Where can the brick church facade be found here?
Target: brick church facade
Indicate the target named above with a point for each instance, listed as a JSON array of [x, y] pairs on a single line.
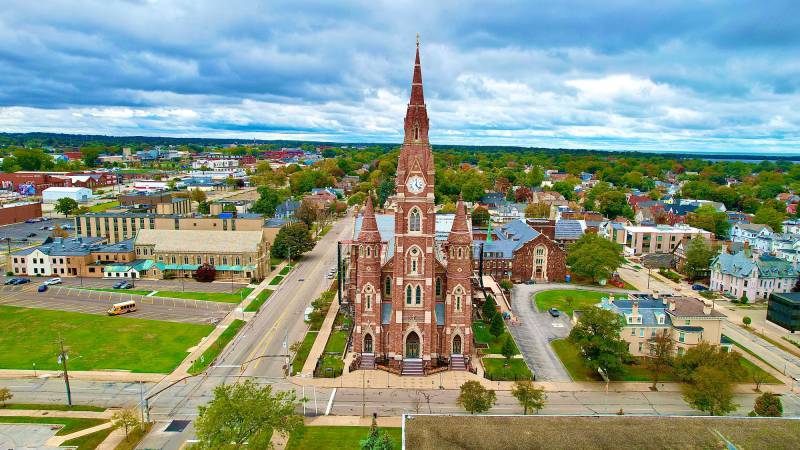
[[413, 302]]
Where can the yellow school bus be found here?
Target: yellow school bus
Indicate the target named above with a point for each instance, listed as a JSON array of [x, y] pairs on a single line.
[[122, 308]]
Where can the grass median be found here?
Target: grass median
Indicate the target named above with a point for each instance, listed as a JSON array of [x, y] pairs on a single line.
[[275, 281], [256, 304], [211, 353], [88, 441], [94, 342], [50, 407], [302, 353]]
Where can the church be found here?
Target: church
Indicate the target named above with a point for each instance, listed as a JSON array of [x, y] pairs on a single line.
[[412, 295]]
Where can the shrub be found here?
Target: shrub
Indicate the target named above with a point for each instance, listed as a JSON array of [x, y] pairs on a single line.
[[205, 272], [768, 405]]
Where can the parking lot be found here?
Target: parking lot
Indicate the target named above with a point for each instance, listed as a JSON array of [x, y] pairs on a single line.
[[19, 232], [66, 298]]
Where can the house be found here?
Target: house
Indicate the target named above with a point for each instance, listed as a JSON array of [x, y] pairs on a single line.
[[286, 209], [19, 212], [687, 320], [757, 236], [568, 231], [80, 256], [493, 199], [755, 277]]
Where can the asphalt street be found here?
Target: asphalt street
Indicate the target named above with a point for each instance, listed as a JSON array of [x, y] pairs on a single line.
[[96, 302]]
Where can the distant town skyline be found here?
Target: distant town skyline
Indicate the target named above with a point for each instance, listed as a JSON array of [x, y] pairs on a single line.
[[693, 77]]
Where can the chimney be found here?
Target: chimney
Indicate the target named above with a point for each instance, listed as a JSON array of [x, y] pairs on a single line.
[[672, 305], [706, 307], [635, 309]]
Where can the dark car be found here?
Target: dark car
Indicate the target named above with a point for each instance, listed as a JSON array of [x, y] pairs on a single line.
[[554, 312], [31, 234], [23, 280], [699, 287], [11, 281], [42, 288], [123, 285]]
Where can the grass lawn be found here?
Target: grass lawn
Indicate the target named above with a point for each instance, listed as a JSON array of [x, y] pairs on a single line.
[[118, 291], [276, 280], [496, 370], [336, 342], [88, 441], [558, 299], [581, 281], [333, 362], [608, 432], [134, 437], [574, 362], [302, 354], [71, 424], [483, 336], [285, 271], [51, 407], [94, 342], [340, 438], [222, 297], [216, 348], [100, 207], [255, 305]]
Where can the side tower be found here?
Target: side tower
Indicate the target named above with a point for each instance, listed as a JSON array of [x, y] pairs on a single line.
[[367, 298], [458, 302]]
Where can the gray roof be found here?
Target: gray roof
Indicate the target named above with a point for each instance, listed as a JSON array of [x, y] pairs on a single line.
[[65, 246], [741, 266], [649, 308], [568, 229], [506, 239]]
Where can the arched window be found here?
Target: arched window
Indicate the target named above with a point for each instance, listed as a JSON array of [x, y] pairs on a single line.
[[414, 220], [458, 294], [438, 287], [369, 251], [416, 132], [368, 291], [408, 295], [460, 252], [387, 286], [419, 295]]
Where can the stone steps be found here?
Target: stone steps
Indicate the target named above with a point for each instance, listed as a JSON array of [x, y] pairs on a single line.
[[457, 363], [413, 368], [367, 361]]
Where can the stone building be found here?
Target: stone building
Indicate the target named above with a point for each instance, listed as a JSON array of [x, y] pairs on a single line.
[[413, 299]]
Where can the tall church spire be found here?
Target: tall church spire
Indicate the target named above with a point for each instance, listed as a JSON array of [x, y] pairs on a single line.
[[416, 123]]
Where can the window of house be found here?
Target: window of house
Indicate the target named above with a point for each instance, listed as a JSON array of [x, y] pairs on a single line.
[[633, 331], [641, 332], [419, 295]]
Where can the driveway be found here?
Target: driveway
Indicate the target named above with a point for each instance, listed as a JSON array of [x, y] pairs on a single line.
[[535, 330]]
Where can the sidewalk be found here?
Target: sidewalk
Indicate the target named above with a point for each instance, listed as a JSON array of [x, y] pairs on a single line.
[[320, 341], [53, 413], [94, 375], [56, 441]]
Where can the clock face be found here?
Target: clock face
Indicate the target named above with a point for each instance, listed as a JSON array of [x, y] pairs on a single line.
[[415, 184]]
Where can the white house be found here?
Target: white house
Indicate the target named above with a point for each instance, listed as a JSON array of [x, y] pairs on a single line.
[[742, 274], [757, 236], [79, 194]]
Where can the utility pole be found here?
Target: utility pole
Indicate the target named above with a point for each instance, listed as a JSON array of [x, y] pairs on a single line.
[[142, 400], [62, 358]]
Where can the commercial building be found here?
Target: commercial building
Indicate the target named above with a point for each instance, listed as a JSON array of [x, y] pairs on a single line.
[[687, 320], [754, 277], [241, 255], [784, 310], [638, 240], [54, 194], [19, 212], [119, 226], [80, 256]]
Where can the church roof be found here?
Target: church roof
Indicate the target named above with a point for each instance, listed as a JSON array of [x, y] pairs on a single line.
[[369, 229], [460, 232]]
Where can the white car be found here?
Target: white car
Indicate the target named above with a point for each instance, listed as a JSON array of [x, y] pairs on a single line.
[[52, 281]]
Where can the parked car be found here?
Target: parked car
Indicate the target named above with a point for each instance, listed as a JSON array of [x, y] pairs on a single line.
[[11, 281], [529, 282], [53, 281], [554, 312], [23, 280], [43, 227], [31, 221], [42, 288], [123, 285], [31, 234], [67, 227], [699, 287]]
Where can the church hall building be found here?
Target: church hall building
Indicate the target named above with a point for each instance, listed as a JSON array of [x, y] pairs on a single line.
[[412, 294]]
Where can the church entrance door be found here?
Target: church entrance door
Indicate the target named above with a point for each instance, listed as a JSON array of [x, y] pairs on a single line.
[[368, 343], [412, 346], [457, 345]]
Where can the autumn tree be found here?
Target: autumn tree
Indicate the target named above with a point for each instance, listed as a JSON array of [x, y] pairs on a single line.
[[5, 395], [710, 390], [536, 210], [475, 398], [480, 216], [529, 396], [768, 405], [127, 419]]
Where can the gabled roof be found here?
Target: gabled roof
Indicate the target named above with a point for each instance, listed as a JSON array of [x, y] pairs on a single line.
[[741, 266]]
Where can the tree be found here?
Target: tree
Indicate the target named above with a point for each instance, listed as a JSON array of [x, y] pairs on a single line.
[[268, 200], [508, 350], [66, 206], [768, 405], [357, 199], [205, 273], [377, 439], [127, 418], [699, 255], [59, 232], [475, 398], [246, 415], [535, 210], [613, 204], [196, 195], [204, 208], [385, 190], [480, 216], [506, 284], [529, 396], [594, 257], [292, 240], [497, 327], [597, 335], [90, 155], [706, 354], [662, 348], [759, 377], [710, 390], [5, 395], [746, 320], [489, 309], [535, 176], [770, 216], [307, 213], [709, 219]]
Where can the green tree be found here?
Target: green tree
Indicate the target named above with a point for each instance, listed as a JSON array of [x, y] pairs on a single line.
[[480, 216], [662, 349], [710, 390], [385, 190], [699, 255], [268, 200], [377, 439], [475, 398], [34, 159], [357, 199], [770, 216], [204, 208], [709, 219], [565, 188], [66, 206], [597, 335], [307, 213], [535, 176], [768, 405], [506, 284], [613, 204], [747, 321], [489, 309], [293, 239], [497, 327], [706, 354], [245, 415], [594, 257], [529, 396], [473, 189], [90, 155], [535, 210], [448, 208], [508, 350]]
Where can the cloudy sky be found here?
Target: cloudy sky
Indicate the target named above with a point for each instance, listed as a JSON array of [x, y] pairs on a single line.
[[698, 75]]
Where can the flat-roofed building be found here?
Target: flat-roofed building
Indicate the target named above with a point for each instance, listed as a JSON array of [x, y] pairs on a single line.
[[119, 226], [241, 255], [638, 240]]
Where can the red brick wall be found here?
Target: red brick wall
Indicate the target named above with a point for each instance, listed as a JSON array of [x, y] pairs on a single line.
[[21, 213]]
